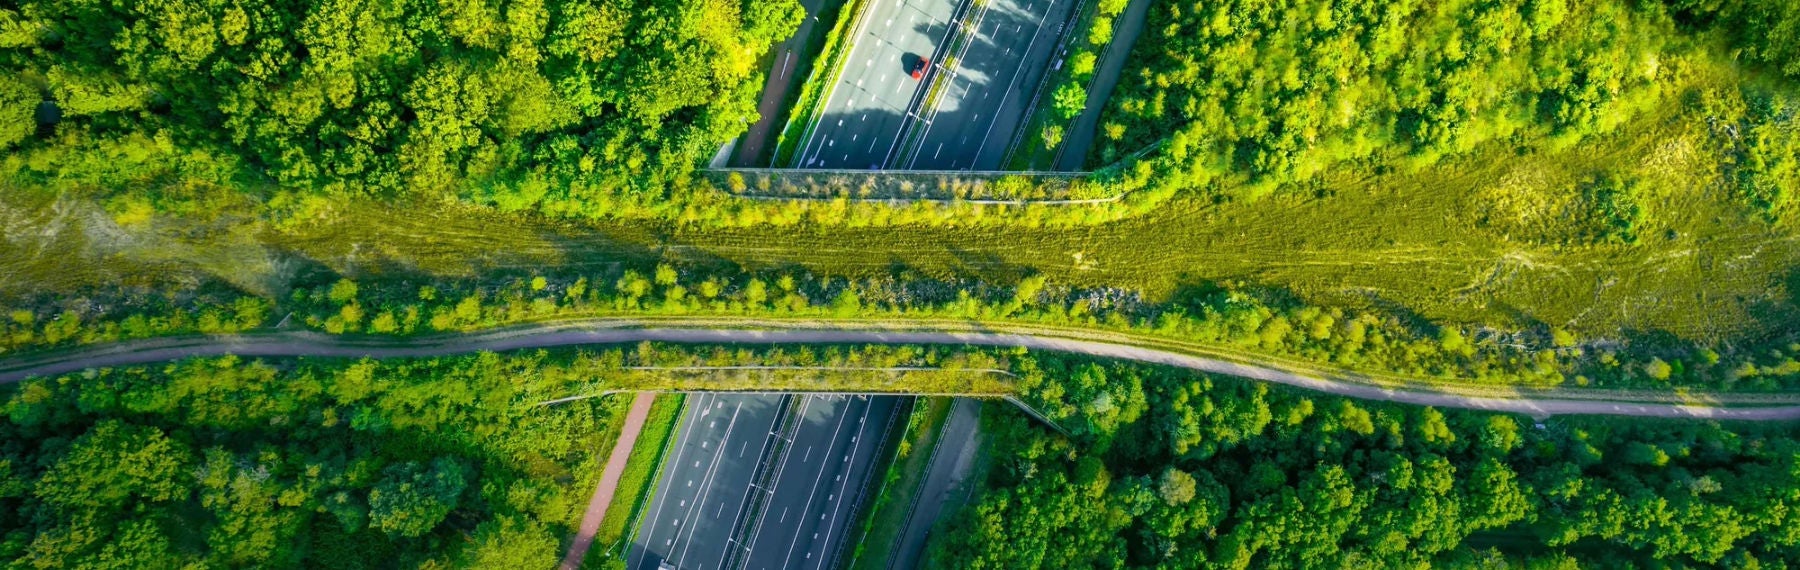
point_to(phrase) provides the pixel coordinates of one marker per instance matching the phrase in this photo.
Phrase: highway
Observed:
(867, 105)
(951, 462)
(985, 97)
(786, 70)
(821, 477)
(706, 481)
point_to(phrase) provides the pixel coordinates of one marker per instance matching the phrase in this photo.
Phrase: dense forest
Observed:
(317, 464)
(1273, 92)
(1175, 470)
(574, 103)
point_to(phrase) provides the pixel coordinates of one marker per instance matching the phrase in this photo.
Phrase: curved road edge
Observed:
(310, 344)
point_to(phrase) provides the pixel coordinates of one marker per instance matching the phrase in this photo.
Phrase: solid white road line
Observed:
(848, 466)
(744, 503)
(706, 481)
(811, 493)
(679, 450)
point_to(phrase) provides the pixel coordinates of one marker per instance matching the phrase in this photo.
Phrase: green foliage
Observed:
(1069, 99)
(558, 105)
(1767, 31)
(1052, 135)
(1760, 131)
(1282, 92)
(18, 108)
(330, 463)
(112, 466)
(412, 499)
(1225, 473)
(1081, 65)
(1613, 210)
(512, 542)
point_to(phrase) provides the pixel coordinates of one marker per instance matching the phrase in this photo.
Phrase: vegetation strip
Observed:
(312, 344)
(637, 486)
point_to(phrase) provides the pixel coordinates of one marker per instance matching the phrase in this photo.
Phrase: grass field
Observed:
(636, 484)
(1424, 242)
(1472, 239)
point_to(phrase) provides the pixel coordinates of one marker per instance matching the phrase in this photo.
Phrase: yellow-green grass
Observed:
(1470, 240)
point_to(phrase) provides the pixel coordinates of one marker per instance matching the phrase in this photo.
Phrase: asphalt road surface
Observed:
(1538, 403)
(867, 106)
(951, 461)
(706, 481)
(784, 73)
(984, 100)
(1087, 125)
(806, 521)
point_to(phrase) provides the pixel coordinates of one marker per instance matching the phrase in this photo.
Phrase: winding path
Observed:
(610, 331)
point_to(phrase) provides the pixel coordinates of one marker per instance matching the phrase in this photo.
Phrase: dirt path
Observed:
(718, 331)
(609, 479)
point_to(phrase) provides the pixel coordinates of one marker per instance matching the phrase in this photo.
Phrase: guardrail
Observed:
(908, 186)
(765, 473)
(887, 432)
(833, 56)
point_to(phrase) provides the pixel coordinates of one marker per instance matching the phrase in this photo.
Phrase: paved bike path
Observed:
(320, 345)
(609, 479)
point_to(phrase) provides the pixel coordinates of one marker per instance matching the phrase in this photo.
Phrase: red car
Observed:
(918, 69)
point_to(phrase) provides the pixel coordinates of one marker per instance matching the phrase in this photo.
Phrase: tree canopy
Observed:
(1207, 472)
(503, 102)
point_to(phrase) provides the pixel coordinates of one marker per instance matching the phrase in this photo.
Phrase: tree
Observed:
(1081, 65)
(1176, 487)
(115, 464)
(511, 542)
(1069, 99)
(412, 499)
(343, 292)
(18, 111)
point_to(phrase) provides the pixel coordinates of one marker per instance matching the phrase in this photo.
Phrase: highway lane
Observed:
(806, 521)
(984, 100)
(706, 481)
(866, 108)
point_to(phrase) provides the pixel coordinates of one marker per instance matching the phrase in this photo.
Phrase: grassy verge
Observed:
(637, 483)
(831, 53)
(888, 515)
(1033, 151)
(946, 381)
